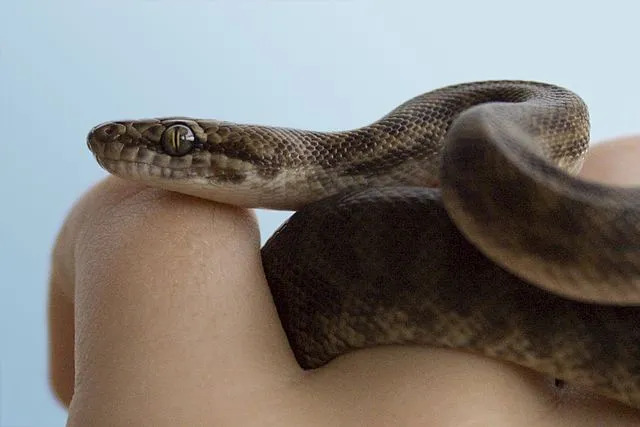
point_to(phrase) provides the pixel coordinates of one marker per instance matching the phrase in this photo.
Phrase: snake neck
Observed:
(280, 168)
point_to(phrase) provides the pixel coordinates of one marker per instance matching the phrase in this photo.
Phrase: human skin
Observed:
(160, 314)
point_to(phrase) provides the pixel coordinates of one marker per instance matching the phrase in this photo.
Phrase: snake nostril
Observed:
(109, 131)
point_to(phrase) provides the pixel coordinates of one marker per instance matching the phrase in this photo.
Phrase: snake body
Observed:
(455, 220)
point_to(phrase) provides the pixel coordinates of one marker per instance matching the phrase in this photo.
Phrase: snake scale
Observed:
(456, 220)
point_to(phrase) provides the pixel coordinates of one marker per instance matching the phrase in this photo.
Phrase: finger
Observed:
(614, 162)
(60, 323)
(60, 300)
(173, 315)
(62, 288)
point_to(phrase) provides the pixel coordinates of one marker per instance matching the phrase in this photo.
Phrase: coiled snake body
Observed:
(455, 220)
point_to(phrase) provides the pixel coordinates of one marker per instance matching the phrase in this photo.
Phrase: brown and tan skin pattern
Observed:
(372, 257)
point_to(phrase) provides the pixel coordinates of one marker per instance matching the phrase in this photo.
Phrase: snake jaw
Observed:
(150, 152)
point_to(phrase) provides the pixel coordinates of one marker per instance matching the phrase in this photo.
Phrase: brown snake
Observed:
(507, 254)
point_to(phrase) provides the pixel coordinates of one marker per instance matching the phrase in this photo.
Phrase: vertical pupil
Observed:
(178, 137)
(178, 140)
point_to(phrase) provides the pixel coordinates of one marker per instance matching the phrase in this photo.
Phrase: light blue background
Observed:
(326, 65)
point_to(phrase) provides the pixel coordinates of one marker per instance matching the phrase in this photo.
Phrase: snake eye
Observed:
(177, 140)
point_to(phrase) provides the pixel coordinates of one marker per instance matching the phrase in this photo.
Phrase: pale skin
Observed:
(160, 315)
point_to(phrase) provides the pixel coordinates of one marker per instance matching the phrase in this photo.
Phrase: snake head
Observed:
(207, 158)
(175, 136)
(155, 149)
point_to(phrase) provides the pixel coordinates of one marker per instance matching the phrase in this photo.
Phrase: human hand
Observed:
(162, 300)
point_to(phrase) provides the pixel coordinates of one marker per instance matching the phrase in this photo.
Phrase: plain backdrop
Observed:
(324, 65)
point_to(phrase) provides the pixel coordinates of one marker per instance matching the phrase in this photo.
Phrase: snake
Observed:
(456, 220)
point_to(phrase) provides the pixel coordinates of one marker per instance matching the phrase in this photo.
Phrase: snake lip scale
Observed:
(511, 256)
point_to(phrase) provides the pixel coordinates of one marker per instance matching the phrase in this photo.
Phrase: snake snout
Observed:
(107, 132)
(104, 135)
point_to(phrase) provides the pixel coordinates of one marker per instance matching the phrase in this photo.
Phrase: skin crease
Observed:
(162, 300)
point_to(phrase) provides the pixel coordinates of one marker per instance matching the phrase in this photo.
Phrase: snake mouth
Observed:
(201, 173)
(126, 157)
(118, 151)
(136, 161)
